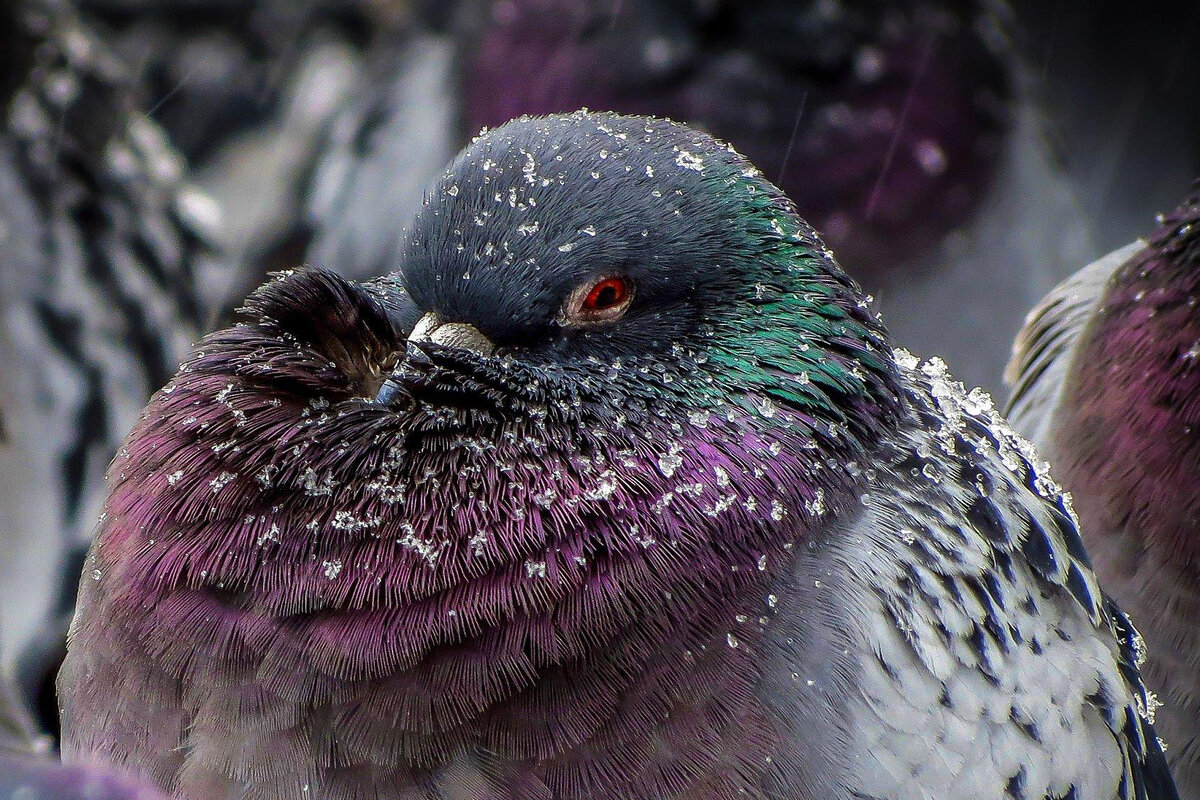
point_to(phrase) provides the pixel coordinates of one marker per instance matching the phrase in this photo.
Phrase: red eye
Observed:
(602, 301)
(606, 294)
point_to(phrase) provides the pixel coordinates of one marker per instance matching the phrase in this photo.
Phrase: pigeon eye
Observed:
(603, 301)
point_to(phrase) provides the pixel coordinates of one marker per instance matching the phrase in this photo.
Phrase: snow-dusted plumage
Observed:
(433, 537)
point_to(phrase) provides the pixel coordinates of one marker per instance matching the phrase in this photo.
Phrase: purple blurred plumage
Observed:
(24, 778)
(884, 123)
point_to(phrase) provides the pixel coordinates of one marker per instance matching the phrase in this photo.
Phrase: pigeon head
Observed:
(614, 382)
(625, 263)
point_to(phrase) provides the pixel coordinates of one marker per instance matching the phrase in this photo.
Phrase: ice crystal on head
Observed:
(689, 161)
(478, 542)
(535, 569)
(816, 506)
(731, 640)
(174, 477)
(778, 511)
(332, 568)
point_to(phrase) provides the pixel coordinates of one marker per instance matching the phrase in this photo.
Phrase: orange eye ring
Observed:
(599, 301)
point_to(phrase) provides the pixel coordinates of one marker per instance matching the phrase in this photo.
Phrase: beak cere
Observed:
(430, 328)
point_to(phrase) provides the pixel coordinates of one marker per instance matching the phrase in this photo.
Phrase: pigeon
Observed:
(617, 488)
(1105, 374)
(103, 245)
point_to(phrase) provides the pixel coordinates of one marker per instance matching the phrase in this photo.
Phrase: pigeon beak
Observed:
(460, 335)
(431, 330)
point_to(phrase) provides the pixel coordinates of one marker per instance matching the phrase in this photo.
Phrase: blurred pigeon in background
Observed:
(884, 122)
(257, 93)
(102, 243)
(618, 491)
(1106, 380)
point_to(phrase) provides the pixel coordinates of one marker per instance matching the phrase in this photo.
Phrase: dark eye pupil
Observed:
(606, 297)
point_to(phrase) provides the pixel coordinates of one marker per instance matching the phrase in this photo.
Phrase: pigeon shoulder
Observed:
(993, 665)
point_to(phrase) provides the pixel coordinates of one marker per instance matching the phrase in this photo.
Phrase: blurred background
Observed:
(159, 157)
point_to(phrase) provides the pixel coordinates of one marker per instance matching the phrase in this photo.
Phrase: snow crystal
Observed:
(689, 161)
(221, 481)
(778, 510)
(271, 535)
(816, 506)
(670, 461)
(346, 521)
